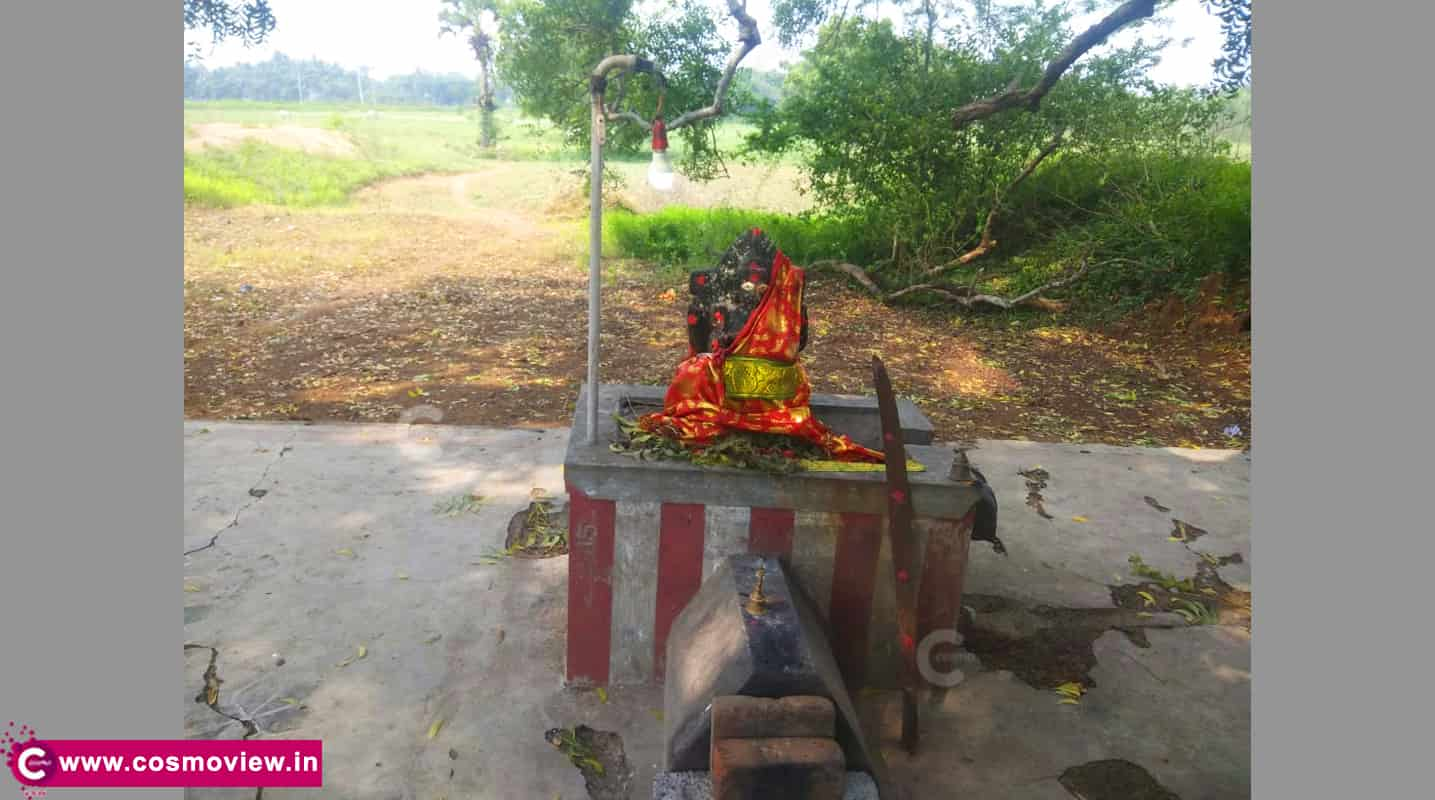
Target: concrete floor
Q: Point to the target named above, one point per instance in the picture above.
(328, 540)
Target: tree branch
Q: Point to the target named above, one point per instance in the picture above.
(987, 243)
(963, 296)
(968, 299)
(852, 270)
(631, 116)
(748, 38)
(1126, 13)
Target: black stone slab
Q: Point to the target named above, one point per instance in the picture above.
(717, 647)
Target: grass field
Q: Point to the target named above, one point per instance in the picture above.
(388, 142)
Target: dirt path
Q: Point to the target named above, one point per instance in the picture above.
(461, 293)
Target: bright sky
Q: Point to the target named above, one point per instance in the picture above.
(398, 36)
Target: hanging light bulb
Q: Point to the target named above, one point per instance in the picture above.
(660, 171)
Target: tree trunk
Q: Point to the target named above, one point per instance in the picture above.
(487, 129)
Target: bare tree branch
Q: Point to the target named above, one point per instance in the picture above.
(987, 243)
(946, 290)
(964, 296)
(852, 270)
(748, 38)
(1013, 97)
(631, 116)
(968, 300)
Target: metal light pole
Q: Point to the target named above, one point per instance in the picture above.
(595, 265)
(598, 83)
(748, 38)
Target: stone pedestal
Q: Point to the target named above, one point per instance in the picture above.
(644, 535)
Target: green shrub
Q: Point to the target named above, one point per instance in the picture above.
(1156, 225)
(679, 235)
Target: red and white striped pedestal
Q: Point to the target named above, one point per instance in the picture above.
(643, 535)
(633, 566)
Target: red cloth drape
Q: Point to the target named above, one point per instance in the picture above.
(697, 410)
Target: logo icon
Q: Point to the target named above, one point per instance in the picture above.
(31, 761)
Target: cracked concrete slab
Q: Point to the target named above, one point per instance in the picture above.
(239, 463)
(346, 548)
(1180, 709)
(1096, 497)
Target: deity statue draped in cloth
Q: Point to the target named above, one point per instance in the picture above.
(746, 326)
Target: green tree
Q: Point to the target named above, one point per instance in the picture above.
(547, 51)
(929, 134)
(248, 20)
(1233, 67)
(469, 18)
(277, 80)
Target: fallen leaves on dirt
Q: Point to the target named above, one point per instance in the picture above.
(599, 756)
(1202, 599)
(538, 531)
(480, 318)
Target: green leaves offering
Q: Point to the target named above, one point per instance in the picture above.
(765, 452)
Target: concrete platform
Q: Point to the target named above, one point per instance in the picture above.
(327, 538)
(646, 532)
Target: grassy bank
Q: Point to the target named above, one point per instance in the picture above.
(1156, 226)
(684, 236)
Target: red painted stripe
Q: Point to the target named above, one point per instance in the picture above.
(770, 531)
(944, 571)
(854, 577)
(590, 587)
(680, 572)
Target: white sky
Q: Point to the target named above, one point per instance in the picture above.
(398, 36)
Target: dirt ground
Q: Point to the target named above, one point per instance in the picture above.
(297, 137)
(462, 293)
